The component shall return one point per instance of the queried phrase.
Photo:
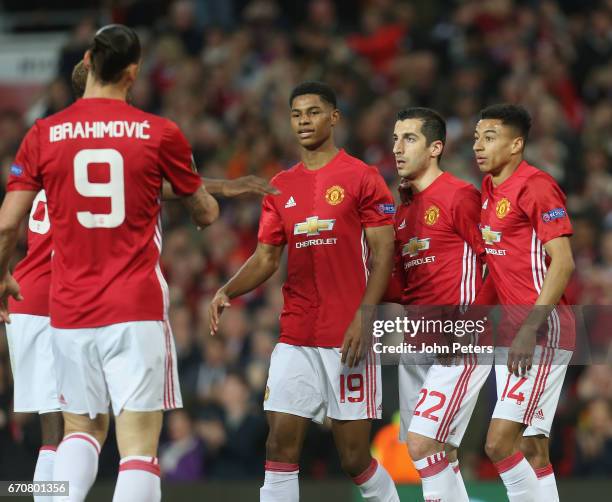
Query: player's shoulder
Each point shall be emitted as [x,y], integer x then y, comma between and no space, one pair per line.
[453,190]
[455,184]
[533,179]
[361,167]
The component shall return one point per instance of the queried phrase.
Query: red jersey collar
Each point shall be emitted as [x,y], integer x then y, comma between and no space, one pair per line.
[432,185]
[333,162]
[519,169]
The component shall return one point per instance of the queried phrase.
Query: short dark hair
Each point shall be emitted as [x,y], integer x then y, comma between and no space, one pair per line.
[113,49]
[433,127]
[79,79]
[510,115]
[321,89]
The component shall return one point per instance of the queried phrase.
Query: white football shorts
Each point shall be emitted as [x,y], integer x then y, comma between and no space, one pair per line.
[437,401]
[131,365]
[312,382]
[533,399]
[33,364]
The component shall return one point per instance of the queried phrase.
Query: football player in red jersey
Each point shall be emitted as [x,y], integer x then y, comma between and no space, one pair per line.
[525,228]
[334,212]
[29,333]
[101,164]
[439,263]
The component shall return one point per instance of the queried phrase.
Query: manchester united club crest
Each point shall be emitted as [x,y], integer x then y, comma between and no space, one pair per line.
[431,215]
[502,208]
[334,195]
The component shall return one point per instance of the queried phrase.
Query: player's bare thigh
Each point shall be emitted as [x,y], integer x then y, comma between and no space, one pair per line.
[138,432]
[286,437]
[96,427]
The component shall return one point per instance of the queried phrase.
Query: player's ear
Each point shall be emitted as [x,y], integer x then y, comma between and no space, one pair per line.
[518,144]
[87,60]
[132,73]
[335,116]
[436,148]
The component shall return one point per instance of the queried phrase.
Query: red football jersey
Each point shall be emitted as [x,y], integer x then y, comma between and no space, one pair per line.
[439,253]
[321,216]
[517,218]
[439,250]
[33,272]
[101,163]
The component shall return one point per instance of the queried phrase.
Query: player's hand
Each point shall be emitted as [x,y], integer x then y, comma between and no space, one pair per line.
[248,185]
[8,287]
[520,355]
[218,304]
[353,348]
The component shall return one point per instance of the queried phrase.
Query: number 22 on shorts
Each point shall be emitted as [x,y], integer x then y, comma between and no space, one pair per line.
[429,412]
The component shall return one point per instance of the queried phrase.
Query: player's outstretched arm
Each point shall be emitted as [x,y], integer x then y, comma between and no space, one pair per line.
[253,185]
[202,206]
[381,243]
[256,270]
[14,208]
[558,275]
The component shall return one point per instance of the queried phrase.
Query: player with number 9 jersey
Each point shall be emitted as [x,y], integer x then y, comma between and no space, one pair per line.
[104,160]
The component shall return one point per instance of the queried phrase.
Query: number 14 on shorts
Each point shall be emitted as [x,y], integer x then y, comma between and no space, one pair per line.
[513,392]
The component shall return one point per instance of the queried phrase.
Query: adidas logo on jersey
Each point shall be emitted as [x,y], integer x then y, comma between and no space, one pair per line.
[539,414]
[290,202]
[402,225]
[486,203]
[62,400]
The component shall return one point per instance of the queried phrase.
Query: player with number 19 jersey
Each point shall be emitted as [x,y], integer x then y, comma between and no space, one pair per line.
[105,171]
[321,216]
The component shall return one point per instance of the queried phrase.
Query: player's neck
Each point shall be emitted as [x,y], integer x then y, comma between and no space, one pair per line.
[95,89]
[106,91]
[320,157]
[426,178]
[504,172]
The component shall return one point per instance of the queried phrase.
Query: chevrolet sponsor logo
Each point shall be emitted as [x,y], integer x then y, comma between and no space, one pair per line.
[490,236]
[414,246]
[313,226]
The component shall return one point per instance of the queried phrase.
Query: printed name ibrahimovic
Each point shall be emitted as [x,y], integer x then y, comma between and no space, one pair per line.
[425,348]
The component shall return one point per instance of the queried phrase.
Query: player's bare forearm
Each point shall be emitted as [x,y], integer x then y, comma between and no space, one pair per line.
[253,185]
[557,277]
[255,271]
[202,206]
[8,239]
[381,243]
[14,208]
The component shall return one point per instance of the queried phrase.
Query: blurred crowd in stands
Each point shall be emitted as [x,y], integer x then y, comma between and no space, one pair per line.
[223,70]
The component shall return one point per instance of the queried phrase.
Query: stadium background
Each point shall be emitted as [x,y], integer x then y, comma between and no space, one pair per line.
[223,70]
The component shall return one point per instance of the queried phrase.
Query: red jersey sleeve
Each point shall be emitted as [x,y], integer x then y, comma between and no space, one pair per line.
[176,161]
[376,205]
[271,229]
[466,216]
[24,173]
[544,204]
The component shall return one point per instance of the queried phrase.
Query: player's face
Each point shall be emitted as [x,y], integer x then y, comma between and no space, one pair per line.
[495,144]
[312,120]
[412,153]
